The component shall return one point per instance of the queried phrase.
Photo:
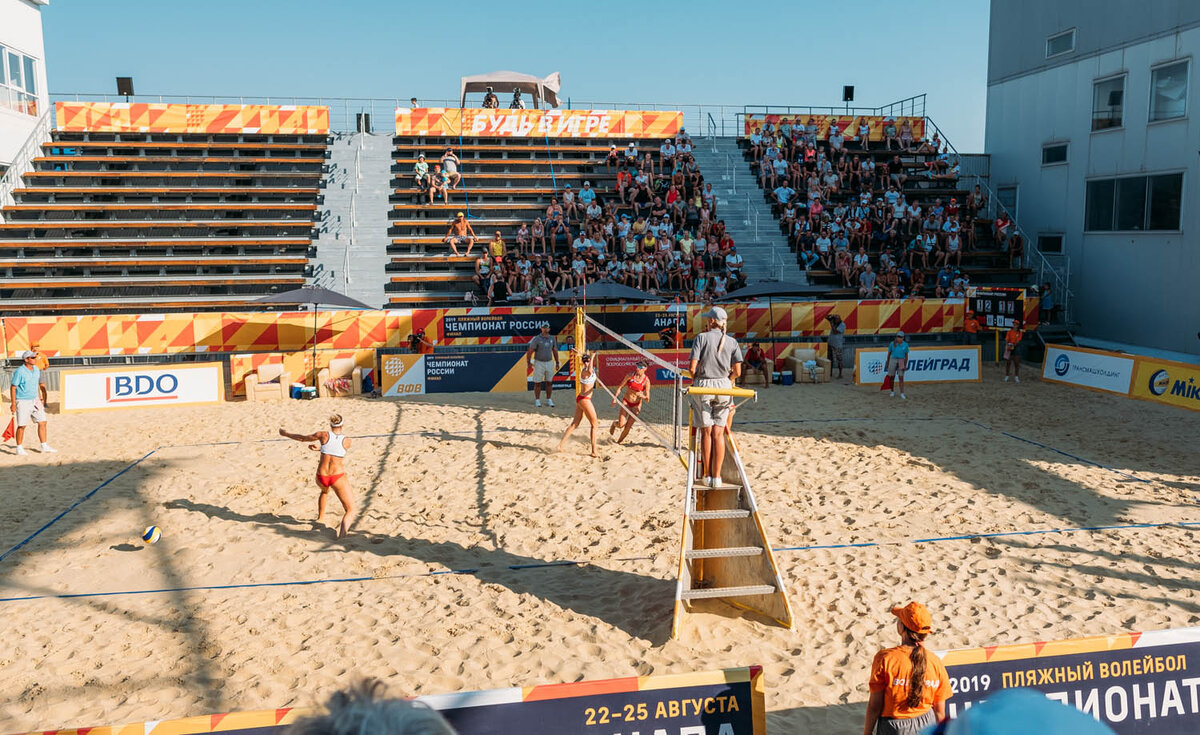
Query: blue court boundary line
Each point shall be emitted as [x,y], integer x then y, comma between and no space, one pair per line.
[155,451]
[575,563]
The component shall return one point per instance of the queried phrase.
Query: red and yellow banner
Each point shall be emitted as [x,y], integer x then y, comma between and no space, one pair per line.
[288,332]
[848,124]
[153,117]
[481,123]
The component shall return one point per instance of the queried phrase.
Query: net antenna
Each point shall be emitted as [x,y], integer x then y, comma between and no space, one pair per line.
[663,420]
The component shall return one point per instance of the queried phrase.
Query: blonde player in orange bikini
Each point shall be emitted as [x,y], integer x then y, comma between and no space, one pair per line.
[583,401]
[636,389]
[331,473]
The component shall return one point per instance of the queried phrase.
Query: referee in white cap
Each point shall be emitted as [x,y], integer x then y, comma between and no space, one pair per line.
[716,361]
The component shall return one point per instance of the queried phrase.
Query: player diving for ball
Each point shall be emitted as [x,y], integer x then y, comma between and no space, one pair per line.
[634,391]
[331,473]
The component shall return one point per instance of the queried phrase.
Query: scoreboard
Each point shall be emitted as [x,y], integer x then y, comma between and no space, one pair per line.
[997,307]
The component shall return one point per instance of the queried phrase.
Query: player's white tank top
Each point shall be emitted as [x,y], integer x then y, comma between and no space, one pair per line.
[335,446]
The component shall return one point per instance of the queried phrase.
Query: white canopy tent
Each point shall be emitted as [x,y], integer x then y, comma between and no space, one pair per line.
[504,82]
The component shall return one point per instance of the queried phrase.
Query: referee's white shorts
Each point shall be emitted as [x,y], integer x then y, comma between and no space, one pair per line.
[711,410]
[29,410]
[543,372]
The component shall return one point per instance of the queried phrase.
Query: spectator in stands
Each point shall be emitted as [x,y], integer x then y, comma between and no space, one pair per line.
[553,274]
[909,685]
[1012,350]
[889,283]
[1045,305]
[587,195]
[631,154]
[824,248]
[490,100]
[496,246]
[461,232]
[866,283]
[421,173]
[836,142]
[497,292]
[523,239]
[517,103]
[1016,250]
[450,164]
[843,264]
[537,237]
[906,135]
[666,158]
[734,262]
[570,204]
[483,272]
[864,134]
[413,103]
[890,134]
[439,183]
[27,399]
[897,363]
[916,286]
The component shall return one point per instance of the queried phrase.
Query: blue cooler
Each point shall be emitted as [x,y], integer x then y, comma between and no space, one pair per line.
[788,378]
[294,392]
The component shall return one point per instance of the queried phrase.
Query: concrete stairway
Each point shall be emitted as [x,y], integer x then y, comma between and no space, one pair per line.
[353,221]
[766,250]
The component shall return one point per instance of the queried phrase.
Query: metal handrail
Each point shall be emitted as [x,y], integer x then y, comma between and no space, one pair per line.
[912,106]
[731,173]
[1061,285]
[22,162]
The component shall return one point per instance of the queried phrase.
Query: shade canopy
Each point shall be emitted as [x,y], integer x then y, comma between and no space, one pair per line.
[504,82]
[313,295]
[761,289]
[604,291]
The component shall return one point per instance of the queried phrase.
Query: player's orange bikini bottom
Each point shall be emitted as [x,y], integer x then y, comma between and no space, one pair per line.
[329,480]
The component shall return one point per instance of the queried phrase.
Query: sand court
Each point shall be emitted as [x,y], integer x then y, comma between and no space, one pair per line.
[480,559]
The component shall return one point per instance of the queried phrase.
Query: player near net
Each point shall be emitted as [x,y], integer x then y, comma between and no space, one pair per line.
[716,361]
[633,392]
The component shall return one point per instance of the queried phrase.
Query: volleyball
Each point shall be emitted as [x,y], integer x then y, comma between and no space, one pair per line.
[151,535]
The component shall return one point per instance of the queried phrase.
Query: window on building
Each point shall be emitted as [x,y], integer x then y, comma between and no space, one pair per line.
[1007,196]
[1134,203]
[1060,43]
[1050,243]
[1108,103]
[18,82]
[1054,153]
[1168,91]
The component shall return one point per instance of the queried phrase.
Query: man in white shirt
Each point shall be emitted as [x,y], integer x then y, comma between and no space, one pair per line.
[733,261]
[667,156]
[631,153]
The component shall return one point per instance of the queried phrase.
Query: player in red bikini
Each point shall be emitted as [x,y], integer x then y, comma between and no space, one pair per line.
[331,474]
[633,391]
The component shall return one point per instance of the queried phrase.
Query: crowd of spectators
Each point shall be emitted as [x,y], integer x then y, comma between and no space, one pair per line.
[846,212]
[654,229]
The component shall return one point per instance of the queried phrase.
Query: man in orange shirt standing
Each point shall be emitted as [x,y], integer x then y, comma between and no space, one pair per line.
[971,329]
[1012,351]
[909,685]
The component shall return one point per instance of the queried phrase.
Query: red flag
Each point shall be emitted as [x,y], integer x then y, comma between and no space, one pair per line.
[887,383]
[11,430]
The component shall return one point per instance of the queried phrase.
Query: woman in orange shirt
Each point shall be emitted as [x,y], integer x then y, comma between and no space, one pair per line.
[909,685]
[1012,354]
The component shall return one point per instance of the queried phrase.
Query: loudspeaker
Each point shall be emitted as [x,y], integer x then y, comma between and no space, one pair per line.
[362,122]
[848,93]
[125,86]
[1114,97]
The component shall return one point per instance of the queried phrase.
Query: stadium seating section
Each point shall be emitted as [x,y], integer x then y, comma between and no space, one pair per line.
[157,221]
[987,262]
[506,181]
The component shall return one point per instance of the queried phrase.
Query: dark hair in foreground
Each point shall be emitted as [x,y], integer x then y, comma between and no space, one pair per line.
[362,710]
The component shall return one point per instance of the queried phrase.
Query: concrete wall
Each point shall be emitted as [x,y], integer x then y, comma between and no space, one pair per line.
[21,30]
[1133,287]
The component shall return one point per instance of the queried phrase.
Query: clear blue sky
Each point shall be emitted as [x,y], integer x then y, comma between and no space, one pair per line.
[700,52]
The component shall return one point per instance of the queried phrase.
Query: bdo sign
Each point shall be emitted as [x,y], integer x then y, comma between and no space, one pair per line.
[174,385]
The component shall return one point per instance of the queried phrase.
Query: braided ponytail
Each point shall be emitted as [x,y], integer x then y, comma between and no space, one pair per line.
[916,680]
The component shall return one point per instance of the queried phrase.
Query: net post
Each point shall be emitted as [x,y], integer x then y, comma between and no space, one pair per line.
[580,348]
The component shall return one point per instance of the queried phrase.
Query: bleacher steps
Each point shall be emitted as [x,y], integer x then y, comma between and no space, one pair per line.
[717,592]
[725,552]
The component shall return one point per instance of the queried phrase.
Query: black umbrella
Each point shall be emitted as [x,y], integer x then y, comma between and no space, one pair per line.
[604,291]
[316,296]
[771,289]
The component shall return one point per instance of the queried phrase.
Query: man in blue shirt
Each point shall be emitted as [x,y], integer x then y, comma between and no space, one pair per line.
[587,194]
[28,400]
[897,352]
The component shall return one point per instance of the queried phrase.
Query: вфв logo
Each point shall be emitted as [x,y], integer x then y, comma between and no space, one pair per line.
[1159,382]
[394,366]
[1062,365]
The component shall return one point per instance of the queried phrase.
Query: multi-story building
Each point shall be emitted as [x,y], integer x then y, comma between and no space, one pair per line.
[1094,137]
[23,96]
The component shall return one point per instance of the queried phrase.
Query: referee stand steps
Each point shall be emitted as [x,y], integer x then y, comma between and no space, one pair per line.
[725,553]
